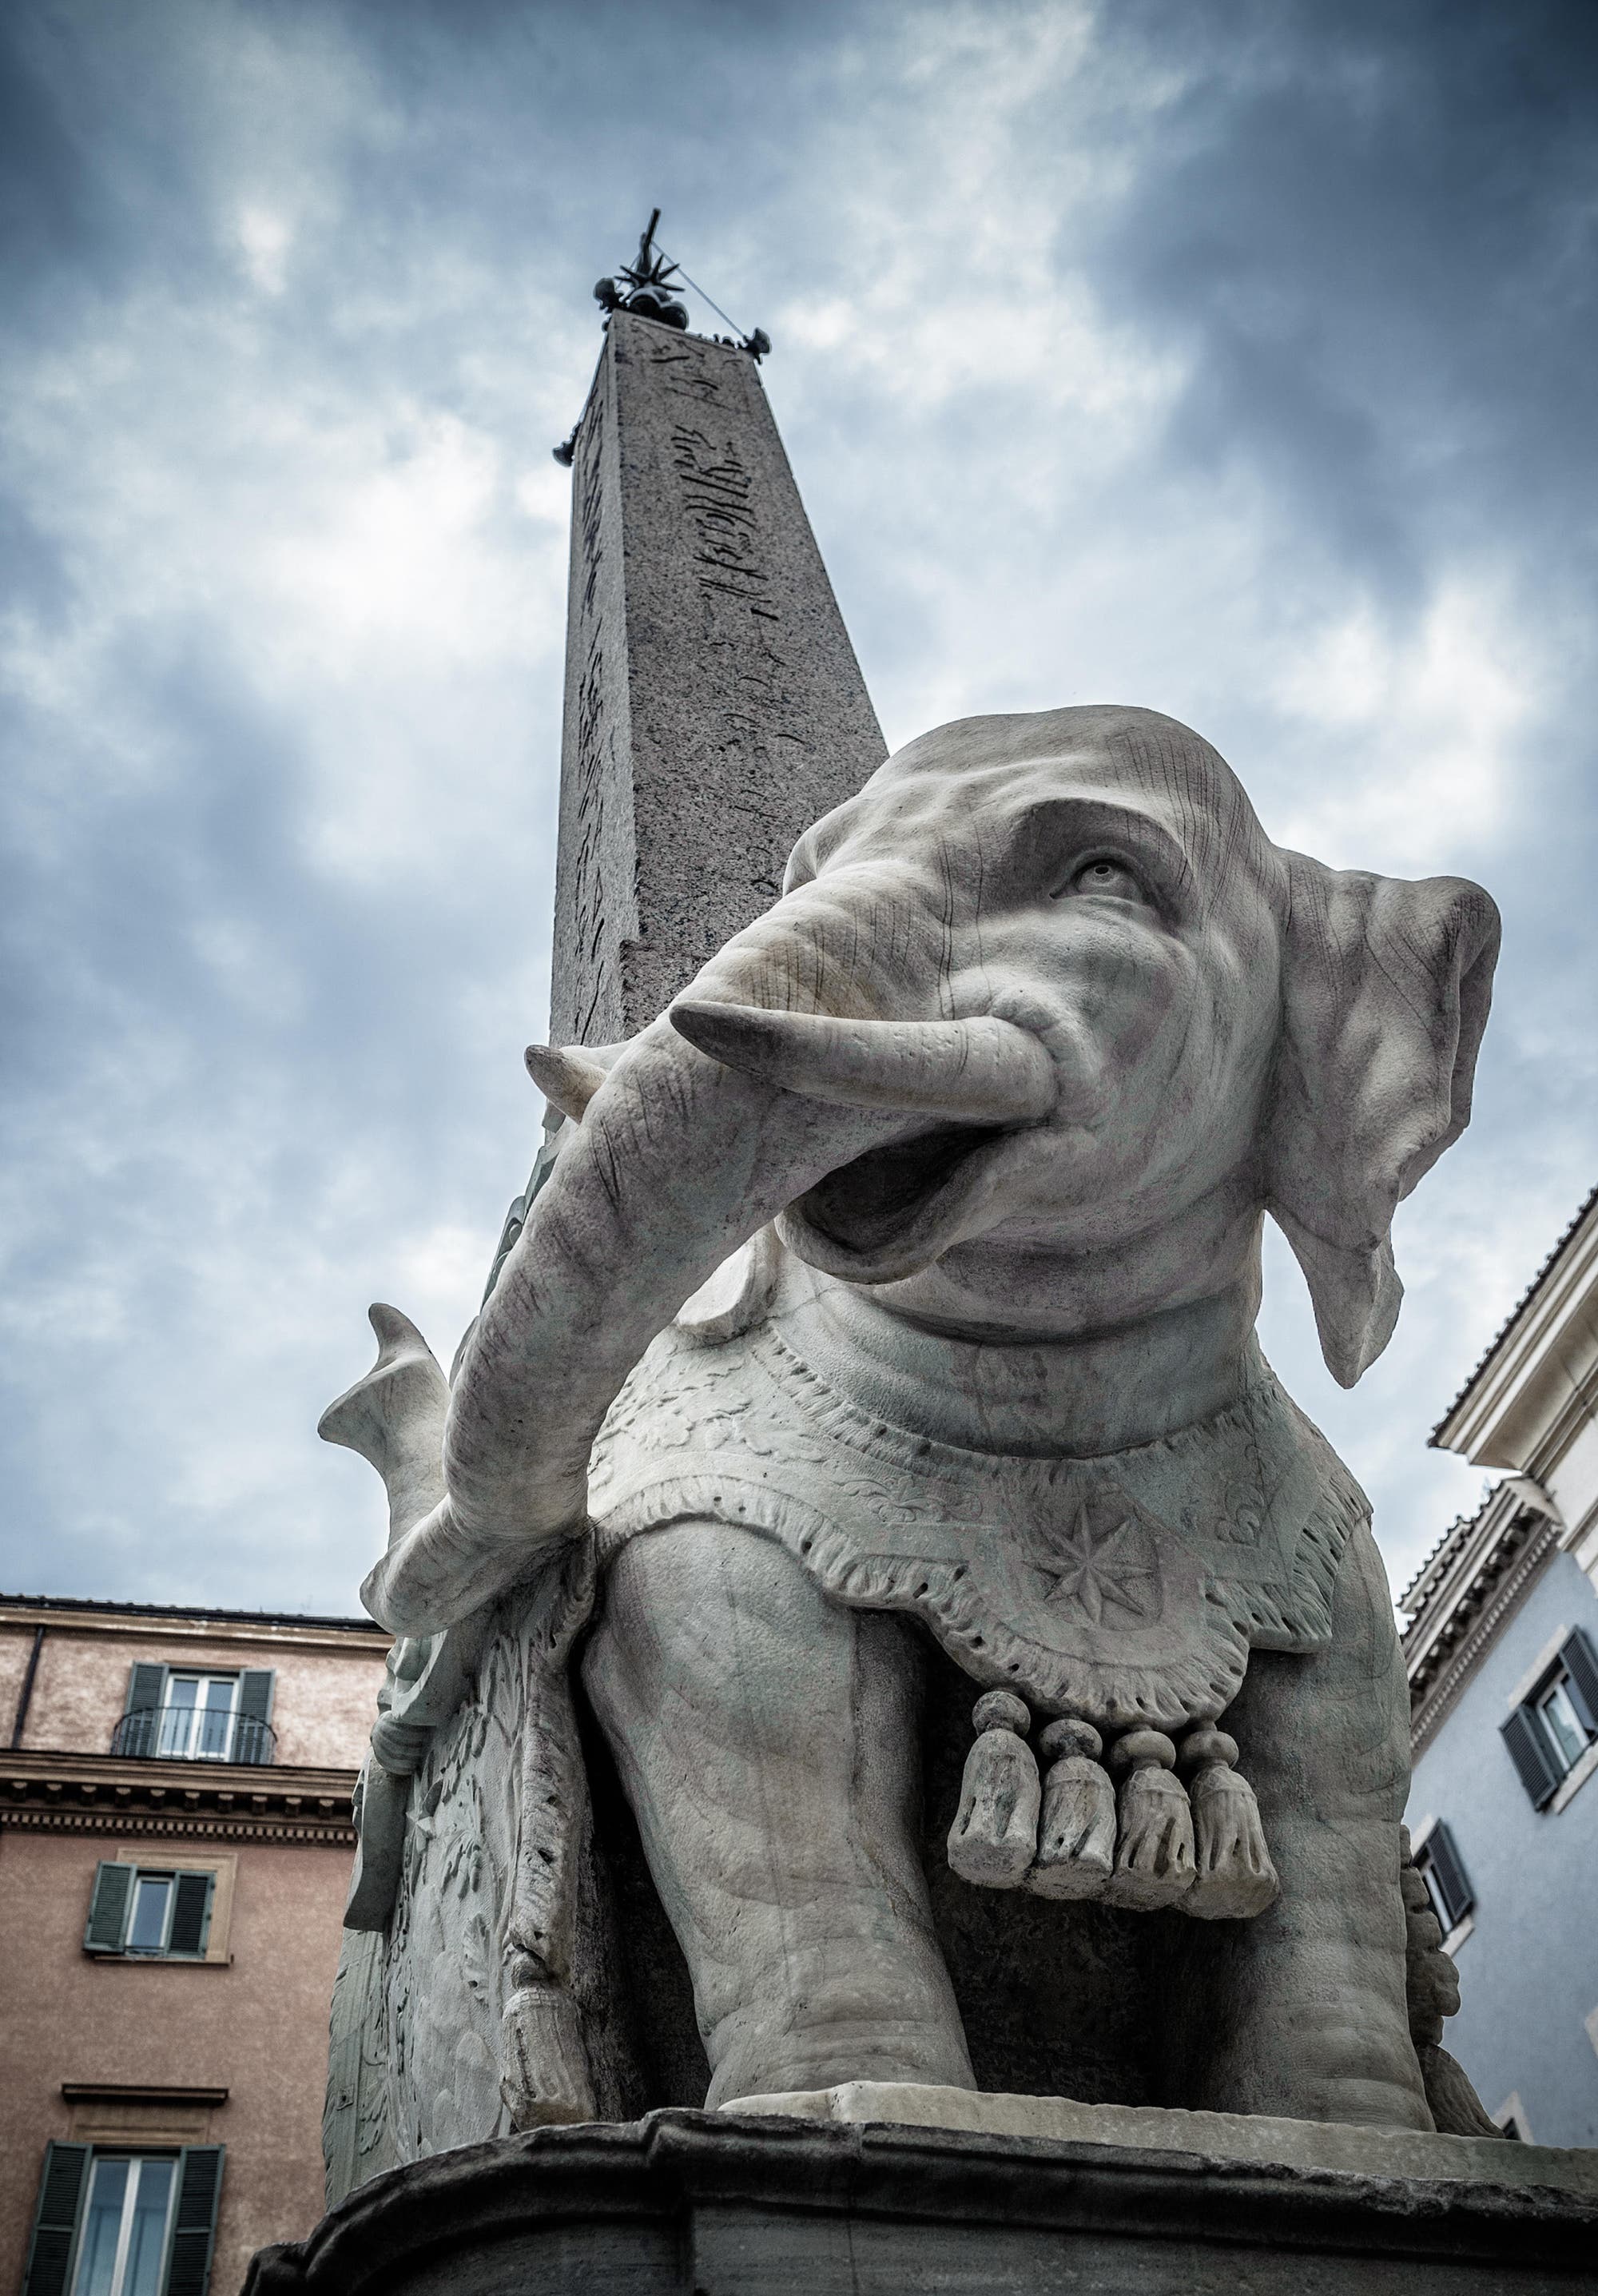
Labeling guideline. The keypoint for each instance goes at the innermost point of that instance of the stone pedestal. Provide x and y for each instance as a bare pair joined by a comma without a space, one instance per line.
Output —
1032,2195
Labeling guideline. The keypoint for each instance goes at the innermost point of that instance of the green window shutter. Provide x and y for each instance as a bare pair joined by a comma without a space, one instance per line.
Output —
146,1685
146,1695
194,2222
108,1908
252,1742
1522,1733
1453,1888
56,2219
1583,1670
190,1911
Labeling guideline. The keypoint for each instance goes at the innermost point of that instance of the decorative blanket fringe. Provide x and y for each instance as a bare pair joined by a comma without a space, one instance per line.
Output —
1154,1832
994,1838
1200,1847
1075,1833
1235,1877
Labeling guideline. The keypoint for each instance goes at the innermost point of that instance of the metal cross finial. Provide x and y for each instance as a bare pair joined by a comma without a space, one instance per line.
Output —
649,288
648,291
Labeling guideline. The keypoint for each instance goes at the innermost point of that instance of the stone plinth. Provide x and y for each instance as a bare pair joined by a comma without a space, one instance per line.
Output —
768,2204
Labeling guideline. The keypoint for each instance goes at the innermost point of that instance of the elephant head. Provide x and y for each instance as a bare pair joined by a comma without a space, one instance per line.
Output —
1041,1025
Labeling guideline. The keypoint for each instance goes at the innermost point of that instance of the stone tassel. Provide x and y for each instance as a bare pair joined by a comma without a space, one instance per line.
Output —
1235,1875
546,2080
994,1838
1076,1834
1154,1830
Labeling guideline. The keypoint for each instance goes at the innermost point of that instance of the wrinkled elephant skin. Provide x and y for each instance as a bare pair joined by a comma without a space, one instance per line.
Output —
1042,1027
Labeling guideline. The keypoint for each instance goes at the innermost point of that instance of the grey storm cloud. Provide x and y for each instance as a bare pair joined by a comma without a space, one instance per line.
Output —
1232,358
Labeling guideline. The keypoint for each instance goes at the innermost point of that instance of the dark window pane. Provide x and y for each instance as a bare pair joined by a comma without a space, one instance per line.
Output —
1562,1723
102,2228
147,1933
147,2242
1427,1872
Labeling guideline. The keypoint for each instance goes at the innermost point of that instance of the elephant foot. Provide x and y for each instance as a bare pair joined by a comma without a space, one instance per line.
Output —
1339,2067
757,2060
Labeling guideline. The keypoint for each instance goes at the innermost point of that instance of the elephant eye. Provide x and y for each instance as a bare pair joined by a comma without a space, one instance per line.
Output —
1107,876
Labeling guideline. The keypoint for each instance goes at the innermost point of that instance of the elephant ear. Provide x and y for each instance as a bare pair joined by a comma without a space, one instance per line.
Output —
1386,986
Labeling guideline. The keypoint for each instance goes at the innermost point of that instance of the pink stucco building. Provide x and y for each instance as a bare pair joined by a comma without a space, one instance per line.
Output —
175,1847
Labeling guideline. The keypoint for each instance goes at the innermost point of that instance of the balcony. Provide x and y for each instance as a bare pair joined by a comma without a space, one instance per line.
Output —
190,1734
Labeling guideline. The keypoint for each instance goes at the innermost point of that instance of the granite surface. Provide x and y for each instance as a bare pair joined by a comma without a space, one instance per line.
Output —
1341,2145
713,705
754,2206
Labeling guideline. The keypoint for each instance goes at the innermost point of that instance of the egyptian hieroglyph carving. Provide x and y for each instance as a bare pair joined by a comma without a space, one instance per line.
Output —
713,702
885,1324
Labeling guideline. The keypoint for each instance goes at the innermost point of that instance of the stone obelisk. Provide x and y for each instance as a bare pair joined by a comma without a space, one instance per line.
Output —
714,706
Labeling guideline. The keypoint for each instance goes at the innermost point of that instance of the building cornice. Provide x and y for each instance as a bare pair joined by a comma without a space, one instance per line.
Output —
65,1793
1443,1648
141,2093
1530,1338
356,1639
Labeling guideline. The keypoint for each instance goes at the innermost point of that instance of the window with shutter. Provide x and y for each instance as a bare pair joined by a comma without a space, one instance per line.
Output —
252,1732
1553,1728
1528,1750
141,1718
56,2220
161,1914
194,2223
107,1924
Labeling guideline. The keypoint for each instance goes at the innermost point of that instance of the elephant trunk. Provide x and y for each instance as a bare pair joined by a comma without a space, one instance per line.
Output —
678,1160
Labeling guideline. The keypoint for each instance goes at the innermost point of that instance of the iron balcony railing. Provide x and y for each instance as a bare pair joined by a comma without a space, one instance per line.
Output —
190,1734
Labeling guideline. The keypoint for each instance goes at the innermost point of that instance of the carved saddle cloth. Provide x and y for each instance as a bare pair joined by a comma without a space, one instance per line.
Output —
1125,1589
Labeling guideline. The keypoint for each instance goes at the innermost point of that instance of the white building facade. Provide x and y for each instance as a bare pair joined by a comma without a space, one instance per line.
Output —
1502,1650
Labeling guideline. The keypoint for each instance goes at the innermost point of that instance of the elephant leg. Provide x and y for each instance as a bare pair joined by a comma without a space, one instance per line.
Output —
1301,2010
767,1742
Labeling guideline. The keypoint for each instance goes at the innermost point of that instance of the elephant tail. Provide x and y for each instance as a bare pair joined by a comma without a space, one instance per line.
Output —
394,1417
1456,2107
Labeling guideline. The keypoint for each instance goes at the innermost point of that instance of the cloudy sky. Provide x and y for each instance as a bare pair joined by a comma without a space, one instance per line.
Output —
1237,359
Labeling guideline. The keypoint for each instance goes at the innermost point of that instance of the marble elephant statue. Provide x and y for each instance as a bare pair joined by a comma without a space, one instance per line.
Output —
893,1294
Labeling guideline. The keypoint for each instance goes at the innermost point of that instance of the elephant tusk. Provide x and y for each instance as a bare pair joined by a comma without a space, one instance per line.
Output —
983,1071
568,1078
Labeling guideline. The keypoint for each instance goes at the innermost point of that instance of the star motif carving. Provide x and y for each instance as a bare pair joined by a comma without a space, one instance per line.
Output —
1091,1568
